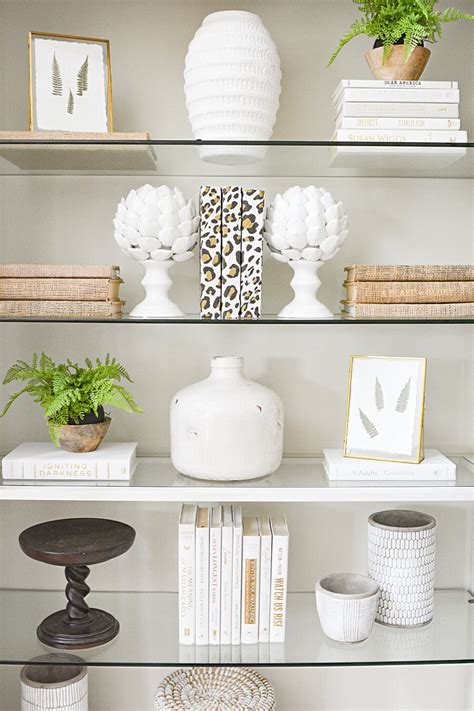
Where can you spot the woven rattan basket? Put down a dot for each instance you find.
(215, 689)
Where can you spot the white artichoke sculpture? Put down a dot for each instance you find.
(305, 227)
(157, 227)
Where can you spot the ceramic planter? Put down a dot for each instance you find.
(395, 67)
(226, 427)
(346, 605)
(53, 687)
(402, 548)
(83, 438)
(232, 84)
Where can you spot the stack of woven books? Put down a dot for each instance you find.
(409, 291)
(59, 291)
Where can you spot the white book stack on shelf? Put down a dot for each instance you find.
(233, 580)
(402, 112)
(434, 467)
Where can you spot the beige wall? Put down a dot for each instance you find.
(69, 219)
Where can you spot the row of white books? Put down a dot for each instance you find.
(233, 576)
(398, 112)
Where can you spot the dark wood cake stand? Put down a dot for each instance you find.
(77, 543)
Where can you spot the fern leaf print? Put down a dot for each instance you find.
(82, 77)
(70, 103)
(369, 426)
(404, 396)
(379, 400)
(56, 81)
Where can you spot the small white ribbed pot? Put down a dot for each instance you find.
(226, 427)
(232, 83)
(54, 687)
(346, 605)
(402, 550)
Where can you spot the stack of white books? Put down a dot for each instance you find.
(398, 112)
(233, 576)
(434, 467)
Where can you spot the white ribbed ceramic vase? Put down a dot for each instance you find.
(232, 83)
(226, 427)
(346, 605)
(402, 549)
(53, 687)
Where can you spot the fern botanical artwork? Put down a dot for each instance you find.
(400, 28)
(73, 397)
(70, 83)
(385, 409)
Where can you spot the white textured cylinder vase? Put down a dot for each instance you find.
(226, 427)
(54, 687)
(305, 285)
(402, 549)
(346, 605)
(232, 82)
(157, 283)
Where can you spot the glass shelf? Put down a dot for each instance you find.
(270, 319)
(149, 635)
(298, 480)
(283, 158)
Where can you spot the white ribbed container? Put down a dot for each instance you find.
(54, 687)
(226, 427)
(402, 549)
(346, 605)
(232, 81)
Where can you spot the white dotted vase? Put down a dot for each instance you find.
(402, 549)
(54, 687)
(226, 427)
(232, 83)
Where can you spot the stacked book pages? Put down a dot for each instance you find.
(233, 576)
(60, 290)
(409, 291)
(397, 112)
(43, 461)
(434, 467)
(231, 252)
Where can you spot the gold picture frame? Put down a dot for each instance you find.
(104, 126)
(362, 424)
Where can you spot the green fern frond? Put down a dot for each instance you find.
(358, 28)
(453, 15)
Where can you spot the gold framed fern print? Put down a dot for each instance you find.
(70, 83)
(385, 409)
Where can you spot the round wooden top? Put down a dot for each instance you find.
(77, 541)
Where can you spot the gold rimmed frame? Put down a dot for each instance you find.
(418, 453)
(71, 38)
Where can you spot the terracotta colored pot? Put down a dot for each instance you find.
(83, 438)
(395, 67)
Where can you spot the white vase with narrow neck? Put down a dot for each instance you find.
(305, 285)
(226, 427)
(157, 283)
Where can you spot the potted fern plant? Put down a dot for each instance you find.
(400, 29)
(72, 397)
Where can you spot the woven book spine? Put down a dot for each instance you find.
(400, 311)
(404, 292)
(60, 271)
(253, 216)
(210, 201)
(231, 251)
(410, 272)
(61, 309)
(60, 289)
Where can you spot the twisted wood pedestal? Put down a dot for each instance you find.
(77, 543)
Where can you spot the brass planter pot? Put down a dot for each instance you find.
(395, 67)
(83, 438)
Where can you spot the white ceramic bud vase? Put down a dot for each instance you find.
(157, 283)
(54, 686)
(226, 427)
(305, 285)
